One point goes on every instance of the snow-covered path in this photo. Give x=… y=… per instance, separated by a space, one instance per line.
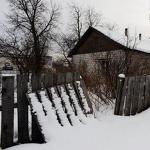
x=108 y=133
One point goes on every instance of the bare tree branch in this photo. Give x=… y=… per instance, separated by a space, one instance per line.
x=29 y=33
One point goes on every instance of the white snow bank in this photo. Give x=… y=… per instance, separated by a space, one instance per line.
x=109 y=133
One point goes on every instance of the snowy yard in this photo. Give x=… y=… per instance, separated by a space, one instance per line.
x=108 y=132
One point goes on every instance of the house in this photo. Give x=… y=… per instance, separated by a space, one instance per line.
x=99 y=51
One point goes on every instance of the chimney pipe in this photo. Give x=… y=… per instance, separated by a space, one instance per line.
x=140 y=36
x=126 y=32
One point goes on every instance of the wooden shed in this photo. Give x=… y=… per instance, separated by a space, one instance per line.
x=95 y=49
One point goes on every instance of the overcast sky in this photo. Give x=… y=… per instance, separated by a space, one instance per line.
x=125 y=13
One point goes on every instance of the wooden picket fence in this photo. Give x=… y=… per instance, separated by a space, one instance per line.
x=133 y=95
x=7 y=105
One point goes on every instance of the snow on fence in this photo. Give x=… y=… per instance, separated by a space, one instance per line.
x=133 y=95
x=28 y=130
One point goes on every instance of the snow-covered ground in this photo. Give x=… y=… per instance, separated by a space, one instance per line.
x=107 y=132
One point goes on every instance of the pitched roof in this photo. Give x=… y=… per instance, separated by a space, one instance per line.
x=117 y=43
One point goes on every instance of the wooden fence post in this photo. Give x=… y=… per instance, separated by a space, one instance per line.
x=120 y=85
x=22 y=88
x=76 y=76
x=7 y=128
x=61 y=79
x=37 y=136
x=129 y=95
x=48 y=80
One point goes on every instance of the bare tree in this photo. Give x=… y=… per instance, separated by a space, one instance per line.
x=81 y=19
x=29 y=34
x=77 y=20
x=92 y=18
x=65 y=43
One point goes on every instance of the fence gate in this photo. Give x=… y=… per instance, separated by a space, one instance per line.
x=133 y=95
x=15 y=104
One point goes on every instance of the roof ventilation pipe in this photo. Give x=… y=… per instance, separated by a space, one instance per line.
x=140 y=36
x=126 y=32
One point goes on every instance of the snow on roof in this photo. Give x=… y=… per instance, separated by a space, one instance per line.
x=140 y=45
x=143 y=45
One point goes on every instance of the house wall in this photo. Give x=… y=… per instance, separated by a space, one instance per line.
x=140 y=62
x=90 y=60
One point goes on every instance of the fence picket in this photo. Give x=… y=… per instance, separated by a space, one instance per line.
x=123 y=98
x=120 y=85
x=48 y=80
x=135 y=96
x=37 y=137
x=7 y=126
x=147 y=92
x=129 y=96
x=141 y=94
x=23 y=131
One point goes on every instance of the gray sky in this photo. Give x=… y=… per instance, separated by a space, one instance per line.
x=125 y=13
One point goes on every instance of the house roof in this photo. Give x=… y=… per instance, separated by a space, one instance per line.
x=118 y=43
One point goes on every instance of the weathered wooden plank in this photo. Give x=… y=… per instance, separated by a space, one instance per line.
x=85 y=92
x=78 y=96
x=55 y=77
x=37 y=137
x=70 y=97
x=147 y=92
x=36 y=82
x=22 y=88
x=63 y=102
x=69 y=77
x=59 y=106
x=15 y=106
x=48 y=80
x=61 y=78
x=141 y=94
x=129 y=96
x=135 y=97
x=120 y=85
x=123 y=99
x=77 y=76
x=7 y=128
x=41 y=138
x=76 y=87
x=57 y=89
x=49 y=94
